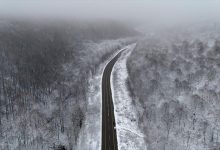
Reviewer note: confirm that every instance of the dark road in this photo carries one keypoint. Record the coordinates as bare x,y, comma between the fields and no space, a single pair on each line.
109,137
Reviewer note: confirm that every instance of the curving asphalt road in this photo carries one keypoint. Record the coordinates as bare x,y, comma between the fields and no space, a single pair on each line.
109,137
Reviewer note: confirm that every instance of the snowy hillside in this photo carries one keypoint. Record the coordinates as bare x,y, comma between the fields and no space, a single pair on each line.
44,80
174,80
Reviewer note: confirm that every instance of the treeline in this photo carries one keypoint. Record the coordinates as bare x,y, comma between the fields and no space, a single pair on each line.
44,70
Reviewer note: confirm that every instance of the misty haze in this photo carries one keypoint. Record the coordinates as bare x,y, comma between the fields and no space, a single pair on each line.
110,75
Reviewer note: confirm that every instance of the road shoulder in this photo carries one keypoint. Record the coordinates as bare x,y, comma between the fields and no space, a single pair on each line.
129,136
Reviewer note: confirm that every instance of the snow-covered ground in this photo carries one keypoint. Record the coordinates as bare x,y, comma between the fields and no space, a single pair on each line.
129,136
90,134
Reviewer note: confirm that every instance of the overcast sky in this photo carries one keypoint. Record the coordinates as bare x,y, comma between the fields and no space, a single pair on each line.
161,11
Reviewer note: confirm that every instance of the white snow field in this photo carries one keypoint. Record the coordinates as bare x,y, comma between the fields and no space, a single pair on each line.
129,136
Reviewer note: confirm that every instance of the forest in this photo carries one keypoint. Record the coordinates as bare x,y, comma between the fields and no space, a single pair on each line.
174,81
44,71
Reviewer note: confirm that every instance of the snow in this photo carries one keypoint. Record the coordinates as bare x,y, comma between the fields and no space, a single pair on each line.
129,135
90,134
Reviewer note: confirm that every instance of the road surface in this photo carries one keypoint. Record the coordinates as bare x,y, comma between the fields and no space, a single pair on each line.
109,137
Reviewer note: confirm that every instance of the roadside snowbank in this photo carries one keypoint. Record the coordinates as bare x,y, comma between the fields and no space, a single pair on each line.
90,134
129,136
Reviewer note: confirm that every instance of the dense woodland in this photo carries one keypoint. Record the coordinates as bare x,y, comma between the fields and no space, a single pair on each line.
174,81
44,71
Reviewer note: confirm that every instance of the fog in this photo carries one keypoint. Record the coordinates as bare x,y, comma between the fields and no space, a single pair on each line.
158,12
51,74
